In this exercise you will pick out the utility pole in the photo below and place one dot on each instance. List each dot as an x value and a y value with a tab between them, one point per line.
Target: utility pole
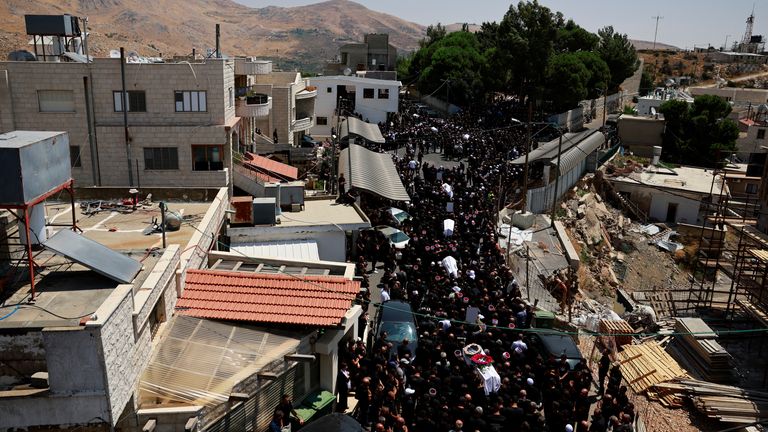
124	107
557	176
527	151
657	18
725	45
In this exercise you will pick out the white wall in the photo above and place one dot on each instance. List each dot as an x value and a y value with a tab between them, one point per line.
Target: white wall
374	110
331	242
687	209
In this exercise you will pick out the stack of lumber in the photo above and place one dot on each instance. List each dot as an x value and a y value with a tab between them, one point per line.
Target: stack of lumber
620	330
725	403
646	365
697	349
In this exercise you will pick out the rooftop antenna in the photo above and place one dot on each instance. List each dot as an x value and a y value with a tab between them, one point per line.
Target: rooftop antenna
657	18
750	23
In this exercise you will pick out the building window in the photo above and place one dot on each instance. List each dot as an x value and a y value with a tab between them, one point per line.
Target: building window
137	101
367	93
329	89
74	157
207	157
190	101
231	97
751	188
321	121
56	101
161	158
761	134
383	93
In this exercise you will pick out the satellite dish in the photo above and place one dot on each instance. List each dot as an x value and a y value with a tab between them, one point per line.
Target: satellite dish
114	54
347	71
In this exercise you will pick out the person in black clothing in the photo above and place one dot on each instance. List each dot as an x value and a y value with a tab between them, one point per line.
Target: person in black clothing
343	384
289	413
602	371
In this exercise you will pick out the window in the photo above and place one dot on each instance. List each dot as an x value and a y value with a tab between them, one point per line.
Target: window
190	101
231	97
161	158
761	134
74	157
751	188
207	157
383	93
56	101
368	93
329	89
137	101
322	121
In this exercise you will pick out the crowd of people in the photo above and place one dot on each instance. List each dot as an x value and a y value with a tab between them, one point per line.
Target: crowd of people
443	274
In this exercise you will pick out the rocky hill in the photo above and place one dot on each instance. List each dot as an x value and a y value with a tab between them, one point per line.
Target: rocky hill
301	37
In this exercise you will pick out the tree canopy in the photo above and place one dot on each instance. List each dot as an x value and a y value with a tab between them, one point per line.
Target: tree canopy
696	132
532	52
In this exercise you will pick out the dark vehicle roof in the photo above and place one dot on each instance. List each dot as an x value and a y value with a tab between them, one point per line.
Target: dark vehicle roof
396	310
559	343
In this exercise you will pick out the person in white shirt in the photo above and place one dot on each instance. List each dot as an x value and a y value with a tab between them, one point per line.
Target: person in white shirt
385	294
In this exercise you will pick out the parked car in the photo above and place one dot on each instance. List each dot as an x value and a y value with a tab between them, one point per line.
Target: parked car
556	343
397	216
308	142
397	319
397	238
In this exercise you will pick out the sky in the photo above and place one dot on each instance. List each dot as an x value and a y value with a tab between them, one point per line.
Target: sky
685	23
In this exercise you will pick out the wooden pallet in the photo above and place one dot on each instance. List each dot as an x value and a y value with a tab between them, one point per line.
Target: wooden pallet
646	365
620	328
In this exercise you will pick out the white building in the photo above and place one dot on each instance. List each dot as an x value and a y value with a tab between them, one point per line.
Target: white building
649	105
374	99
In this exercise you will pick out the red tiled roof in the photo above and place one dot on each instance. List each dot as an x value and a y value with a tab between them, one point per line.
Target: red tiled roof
272	166
267	298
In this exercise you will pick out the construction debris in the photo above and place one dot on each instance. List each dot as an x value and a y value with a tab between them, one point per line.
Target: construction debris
620	330
723	402
646	365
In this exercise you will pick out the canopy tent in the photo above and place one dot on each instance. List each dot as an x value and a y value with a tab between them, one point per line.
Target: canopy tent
368	131
373	172
569	159
548	151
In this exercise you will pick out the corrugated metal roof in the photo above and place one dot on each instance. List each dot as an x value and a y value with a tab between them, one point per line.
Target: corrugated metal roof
548	151
272	167
373	172
301	250
579	152
369	131
267	298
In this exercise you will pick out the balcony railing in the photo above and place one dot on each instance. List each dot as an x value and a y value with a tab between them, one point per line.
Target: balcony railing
248	66
302	124
257	106
307	93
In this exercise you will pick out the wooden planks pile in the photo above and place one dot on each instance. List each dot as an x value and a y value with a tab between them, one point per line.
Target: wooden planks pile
646	365
723	402
621	331
696	347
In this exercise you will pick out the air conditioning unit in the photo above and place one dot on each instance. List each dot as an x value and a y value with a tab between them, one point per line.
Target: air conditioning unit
295	208
264	210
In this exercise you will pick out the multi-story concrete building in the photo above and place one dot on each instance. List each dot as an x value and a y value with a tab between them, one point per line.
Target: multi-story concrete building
184	118
374	99
272	103
374	53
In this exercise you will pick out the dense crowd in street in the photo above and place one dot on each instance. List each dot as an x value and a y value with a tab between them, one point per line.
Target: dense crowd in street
443	274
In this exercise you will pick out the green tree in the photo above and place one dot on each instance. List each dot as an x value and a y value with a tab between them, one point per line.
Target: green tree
646	82
452	65
572	38
434	34
694	133
599	74
567	78
619	54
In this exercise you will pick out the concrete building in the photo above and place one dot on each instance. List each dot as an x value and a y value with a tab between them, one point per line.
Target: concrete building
639	134
374	53
762	218
181	118
374	99
737	57
272	102
649	105
672	195
733	94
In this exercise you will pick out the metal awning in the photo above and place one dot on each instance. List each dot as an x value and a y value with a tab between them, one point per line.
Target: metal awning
548	151
93	255
373	172
569	159
297	249
369	131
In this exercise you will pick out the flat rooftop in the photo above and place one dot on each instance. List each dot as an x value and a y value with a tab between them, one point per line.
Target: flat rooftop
124	231
683	179
323	212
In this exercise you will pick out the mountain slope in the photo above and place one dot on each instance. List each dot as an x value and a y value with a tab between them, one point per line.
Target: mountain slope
303	36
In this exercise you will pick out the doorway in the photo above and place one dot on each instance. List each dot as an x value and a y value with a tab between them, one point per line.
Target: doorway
671	212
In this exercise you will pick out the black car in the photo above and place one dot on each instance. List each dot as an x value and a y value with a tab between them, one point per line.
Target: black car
556	344
397	319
